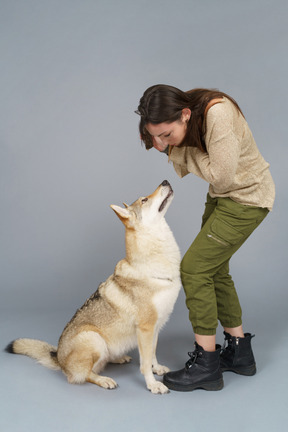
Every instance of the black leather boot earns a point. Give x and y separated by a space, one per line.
202 371
238 356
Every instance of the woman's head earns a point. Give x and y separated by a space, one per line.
163 105
169 134
160 104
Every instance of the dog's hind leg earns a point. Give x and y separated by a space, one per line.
87 358
102 381
85 371
121 360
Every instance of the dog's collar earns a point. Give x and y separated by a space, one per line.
164 279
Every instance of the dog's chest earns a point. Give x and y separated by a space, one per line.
164 300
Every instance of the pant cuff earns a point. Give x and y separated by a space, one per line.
204 332
231 324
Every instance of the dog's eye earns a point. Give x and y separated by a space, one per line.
144 200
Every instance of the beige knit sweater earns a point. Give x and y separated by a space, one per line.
233 164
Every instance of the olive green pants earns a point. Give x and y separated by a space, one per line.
210 291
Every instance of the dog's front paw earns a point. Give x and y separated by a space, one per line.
158 388
160 369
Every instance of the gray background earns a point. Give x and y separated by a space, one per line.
71 76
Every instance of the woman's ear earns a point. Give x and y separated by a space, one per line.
186 114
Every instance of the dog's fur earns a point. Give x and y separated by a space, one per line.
128 309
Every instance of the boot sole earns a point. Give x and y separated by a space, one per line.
209 386
245 370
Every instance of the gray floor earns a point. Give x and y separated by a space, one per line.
34 398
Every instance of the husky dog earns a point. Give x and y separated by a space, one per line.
128 309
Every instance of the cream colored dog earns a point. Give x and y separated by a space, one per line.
128 309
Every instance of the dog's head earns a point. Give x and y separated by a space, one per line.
146 210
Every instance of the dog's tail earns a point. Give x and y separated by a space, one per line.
44 353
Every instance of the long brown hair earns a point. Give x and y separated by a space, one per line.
163 103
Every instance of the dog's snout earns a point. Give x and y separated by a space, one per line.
165 183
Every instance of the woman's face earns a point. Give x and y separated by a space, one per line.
165 134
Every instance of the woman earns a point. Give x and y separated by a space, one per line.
204 132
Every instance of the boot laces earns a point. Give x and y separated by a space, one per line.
226 346
193 357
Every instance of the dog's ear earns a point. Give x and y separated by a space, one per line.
122 213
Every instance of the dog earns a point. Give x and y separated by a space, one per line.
127 310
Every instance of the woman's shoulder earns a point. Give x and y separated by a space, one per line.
219 105
224 109
211 103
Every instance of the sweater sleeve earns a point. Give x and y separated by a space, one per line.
218 166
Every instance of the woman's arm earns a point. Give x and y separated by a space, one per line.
218 166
